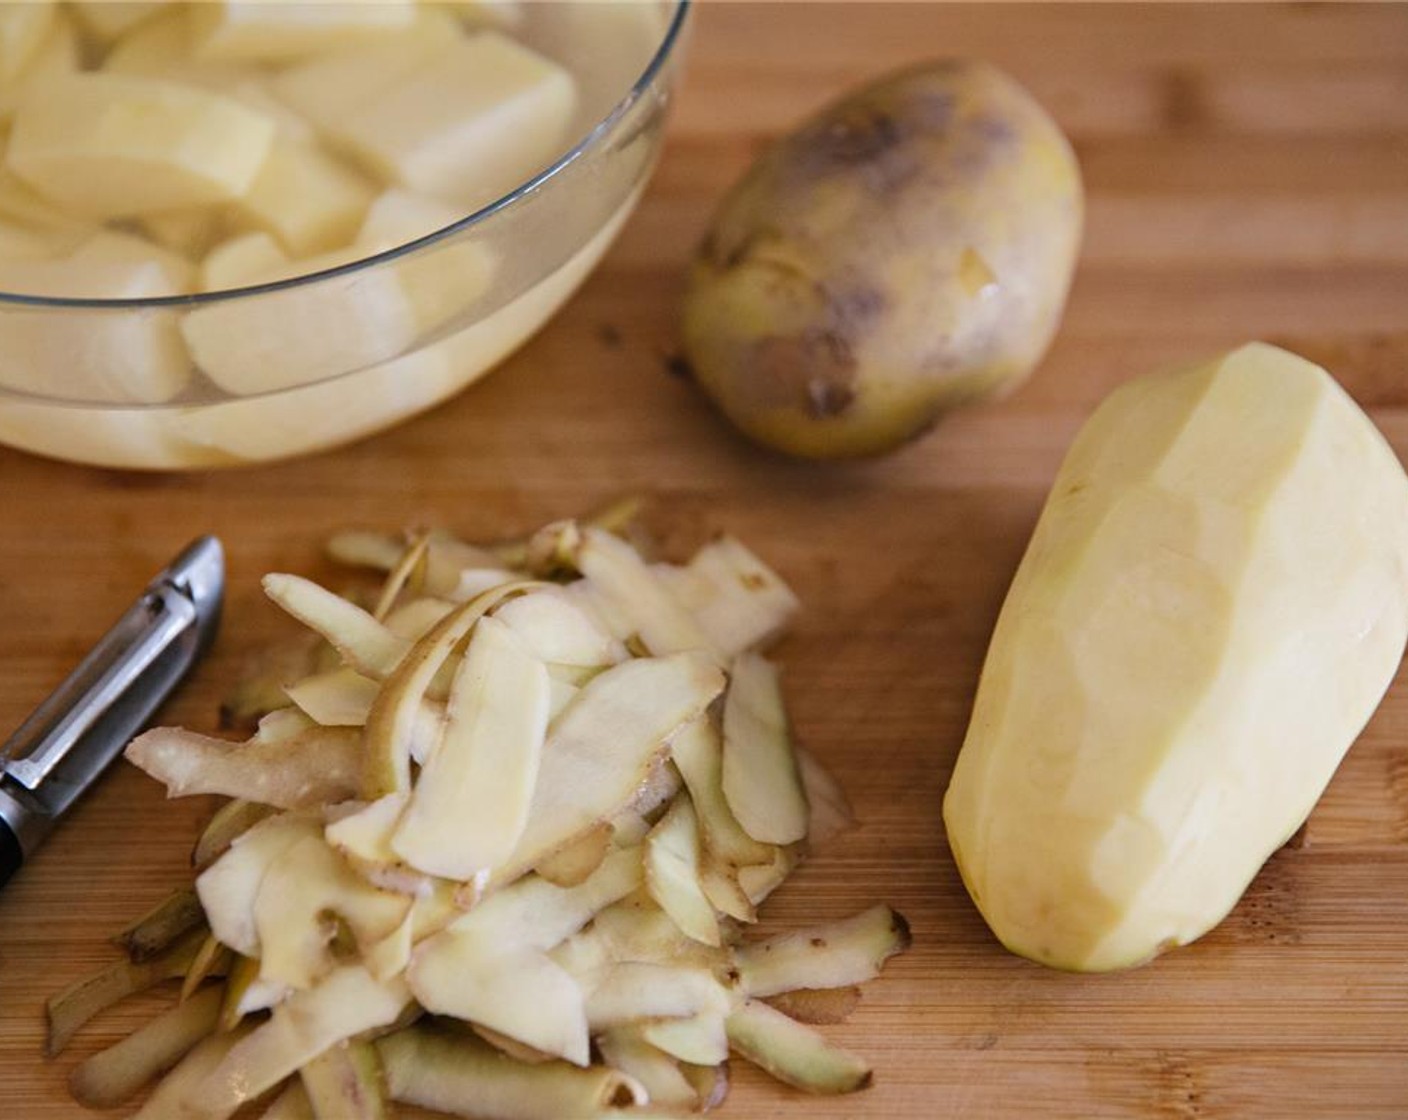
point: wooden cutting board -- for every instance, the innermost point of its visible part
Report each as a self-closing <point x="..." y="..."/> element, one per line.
<point x="1248" y="178"/>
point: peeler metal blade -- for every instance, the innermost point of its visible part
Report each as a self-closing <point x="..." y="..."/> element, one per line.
<point x="66" y="744"/>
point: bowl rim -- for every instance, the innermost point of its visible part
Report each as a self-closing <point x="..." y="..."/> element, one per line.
<point x="673" y="33"/>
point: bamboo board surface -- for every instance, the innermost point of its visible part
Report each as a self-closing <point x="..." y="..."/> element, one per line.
<point x="1247" y="171"/>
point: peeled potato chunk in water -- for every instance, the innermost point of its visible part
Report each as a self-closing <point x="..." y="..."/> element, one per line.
<point x="113" y="146"/>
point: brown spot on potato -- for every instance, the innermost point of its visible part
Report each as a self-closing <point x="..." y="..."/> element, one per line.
<point x="995" y="131"/>
<point x="828" y="399"/>
<point x="931" y="110"/>
<point x="862" y="134"/>
<point x="856" y="305"/>
<point x="863" y="140"/>
<point x="814" y="372"/>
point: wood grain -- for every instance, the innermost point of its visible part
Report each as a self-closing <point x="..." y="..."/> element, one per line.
<point x="1247" y="168"/>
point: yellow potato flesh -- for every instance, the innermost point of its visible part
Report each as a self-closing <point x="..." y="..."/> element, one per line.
<point x="111" y="146"/>
<point x="275" y="425"/>
<point x="337" y="325"/>
<point x="55" y="54"/>
<point x="466" y="119"/>
<point x="305" y="198"/>
<point x="20" y="244"/>
<point x="242" y="261"/>
<point x="121" y="359"/>
<point x="188" y="230"/>
<point x="399" y="216"/>
<point x="348" y="1002"/>
<point x="111" y="247"/>
<point x="20" y="203"/>
<point x="326" y="89"/>
<point x="471" y="800"/>
<point x="162" y="47"/>
<point x="1212" y="605"/>
<point x="258" y="31"/>
<point x="518" y="992"/>
<point x="22" y="28"/>
<point x="308" y="882"/>
<point x="107" y="19"/>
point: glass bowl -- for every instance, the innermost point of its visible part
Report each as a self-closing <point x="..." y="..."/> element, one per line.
<point x="263" y="373"/>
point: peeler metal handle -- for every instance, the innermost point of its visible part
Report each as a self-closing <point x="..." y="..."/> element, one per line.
<point x="70" y="739"/>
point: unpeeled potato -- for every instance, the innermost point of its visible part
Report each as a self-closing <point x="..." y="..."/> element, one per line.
<point x="905" y="251"/>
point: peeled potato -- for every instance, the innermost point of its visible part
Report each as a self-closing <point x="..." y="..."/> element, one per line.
<point x="254" y="92"/>
<point x="112" y="146"/>
<point x="336" y="325"/>
<point x="176" y="274"/>
<point x="96" y="355"/>
<point x="247" y="259"/>
<point x="307" y="199"/>
<point x="1212" y="605"/>
<point x="18" y="243"/>
<point x="185" y="124"/>
<point x="325" y="89"/>
<point x="22" y="28"/>
<point x="274" y="426"/>
<point x="21" y="204"/>
<point x="479" y="14"/>
<point x="163" y="47"/>
<point x="134" y="437"/>
<point x="258" y="31"/>
<point x="107" y="19"/>
<point x="905" y="251"/>
<point x="398" y="216"/>
<point x="188" y="230"/>
<point x="465" y="119"/>
<point x="55" y="54"/>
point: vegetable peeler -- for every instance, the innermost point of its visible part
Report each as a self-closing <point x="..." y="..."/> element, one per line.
<point x="67" y="743"/>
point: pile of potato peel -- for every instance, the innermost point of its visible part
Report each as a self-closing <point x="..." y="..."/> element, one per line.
<point x="492" y="850"/>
